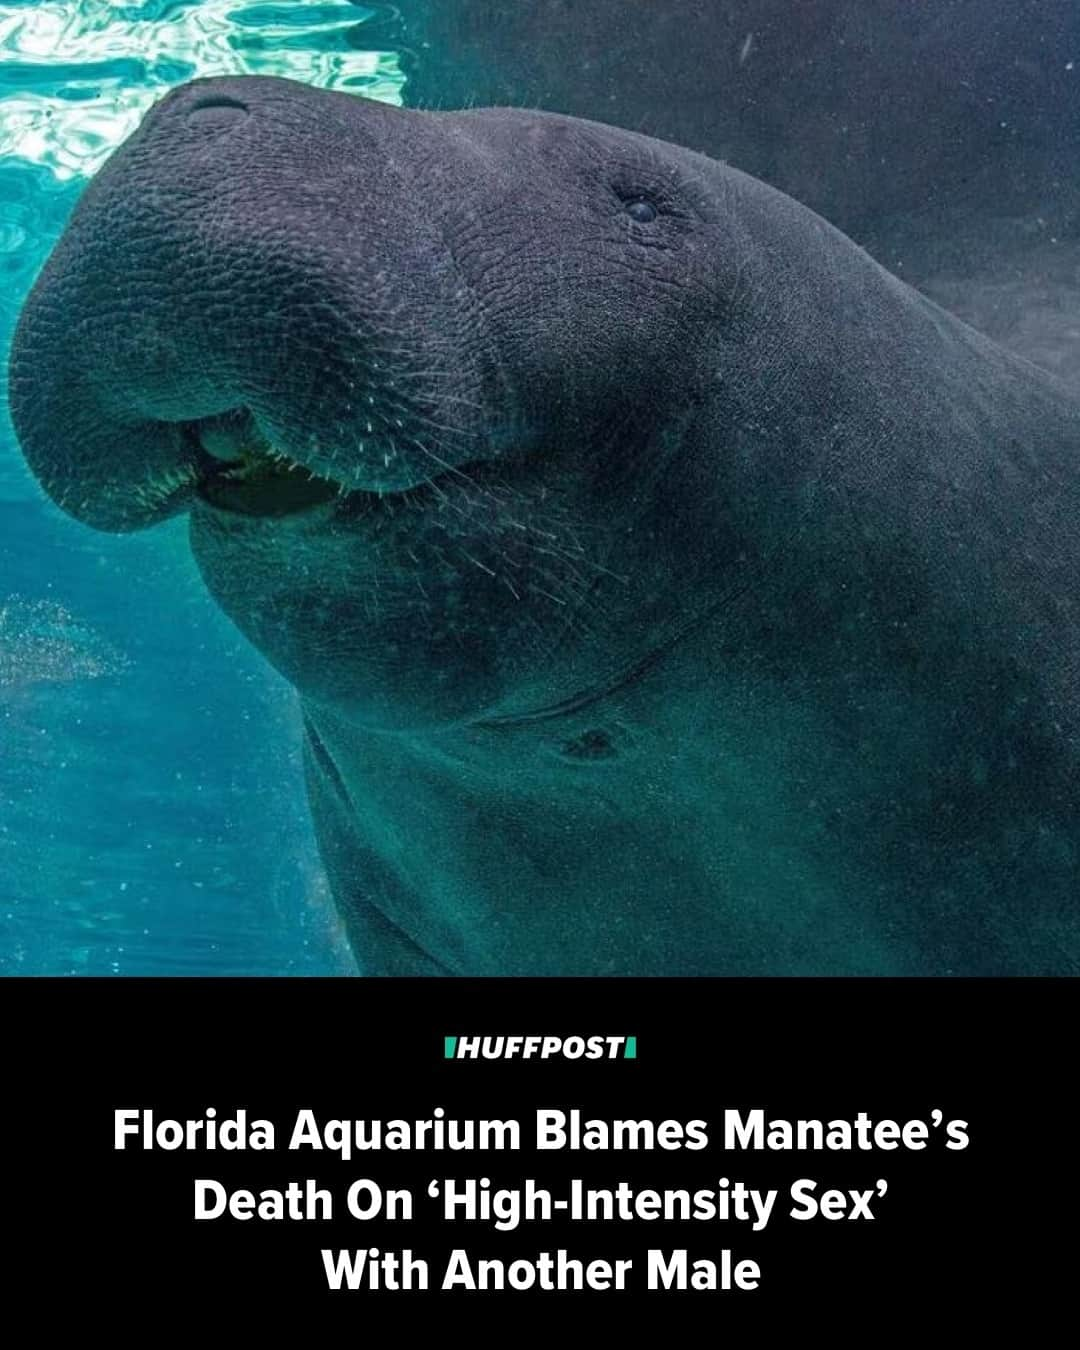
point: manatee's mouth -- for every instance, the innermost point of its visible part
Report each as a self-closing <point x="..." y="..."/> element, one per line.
<point x="235" y="469"/>
<point x="262" y="482"/>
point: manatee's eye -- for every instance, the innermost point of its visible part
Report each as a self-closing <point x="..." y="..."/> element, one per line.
<point x="641" y="210"/>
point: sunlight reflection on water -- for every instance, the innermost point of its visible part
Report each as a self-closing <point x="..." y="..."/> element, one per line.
<point x="76" y="78"/>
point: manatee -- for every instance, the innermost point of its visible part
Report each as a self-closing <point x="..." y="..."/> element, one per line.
<point x="668" y="588"/>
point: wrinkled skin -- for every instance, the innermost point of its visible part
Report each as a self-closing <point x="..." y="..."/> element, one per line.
<point x="668" y="588"/>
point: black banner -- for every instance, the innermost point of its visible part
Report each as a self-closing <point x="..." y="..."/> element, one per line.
<point x="745" y="1148"/>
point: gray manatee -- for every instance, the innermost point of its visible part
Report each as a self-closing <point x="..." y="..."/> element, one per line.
<point x="668" y="588"/>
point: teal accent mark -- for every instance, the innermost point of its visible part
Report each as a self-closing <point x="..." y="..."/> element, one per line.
<point x="631" y="1048"/>
<point x="449" y="1047"/>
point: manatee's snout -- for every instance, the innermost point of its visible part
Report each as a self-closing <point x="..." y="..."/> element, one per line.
<point x="475" y="328"/>
<point x="252" y="301"/>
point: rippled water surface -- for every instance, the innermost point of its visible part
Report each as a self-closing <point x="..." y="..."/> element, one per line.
<point x="151" y="811"/>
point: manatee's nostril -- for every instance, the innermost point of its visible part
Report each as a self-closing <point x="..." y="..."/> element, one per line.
<point x="216" y="108"/>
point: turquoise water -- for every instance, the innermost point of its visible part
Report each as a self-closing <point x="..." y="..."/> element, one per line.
<point x="150" y="820"/>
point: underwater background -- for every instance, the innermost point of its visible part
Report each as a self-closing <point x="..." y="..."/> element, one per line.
<point x="152" y="814"/>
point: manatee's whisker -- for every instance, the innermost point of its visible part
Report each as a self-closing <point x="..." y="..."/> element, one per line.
<point x="454" y="469"/>
<point x="586" y="561"/>
<point x="539" y="590"/>
<point x="477" y="563"/>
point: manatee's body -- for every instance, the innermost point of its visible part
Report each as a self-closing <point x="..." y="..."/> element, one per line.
<point x="676" y="593"/>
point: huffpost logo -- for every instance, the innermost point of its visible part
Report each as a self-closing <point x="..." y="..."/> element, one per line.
<point x="539" y="1047"/>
